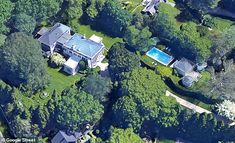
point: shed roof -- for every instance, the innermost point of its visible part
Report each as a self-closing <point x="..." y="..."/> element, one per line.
<point x="96" y="39"/>
<point x="84" y="46"/>
<point x="51" y="36"/>
<point x="72" y="62"/>
<point x="184" y="65"/>
<point x="62" y="137"/>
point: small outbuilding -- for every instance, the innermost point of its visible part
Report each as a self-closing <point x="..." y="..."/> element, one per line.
<point x="187" y="81"/>
<point x="184" y="67"/>
<point x="71" y="65"/>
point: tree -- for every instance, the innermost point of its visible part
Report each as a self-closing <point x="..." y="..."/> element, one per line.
<point x="164" y="26"/>
<point x="21" y="127"/>
<point x="138" y="39"/>
<point x="6" y="6"/>
<point x="226" y="109"/>
<point x="202" y="6"/>
<point x="144" y="99"/>
<point x="2" y="39"/>
<point x="202" y="128"/>
<point x="124" y="136"/>
<point x="97" y="86"/>
<point x="138" y="21"/>
<point x="223" y="42"/>
<point x="198" y="48"/>
<point x="74" y="12"/>
<point x="93" y="8"/>
<point x="121" y="60"/>
<point x="57" y="60"/>
<point x="41" y="116"/>
<point x="24" y="23"/>
<point x="22" y="62"/>
<point x="228" y="5"/>
<point x="77" y="108"/>
<point x="39" y="9"/>
<point x="113" y="19"/>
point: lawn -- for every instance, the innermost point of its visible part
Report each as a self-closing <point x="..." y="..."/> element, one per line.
<point x="59" y="81"/>
<point x="132" y="5"/>
<point x="107" y="40"/>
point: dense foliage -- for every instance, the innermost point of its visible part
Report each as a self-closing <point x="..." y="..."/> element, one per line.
<point x="121" y="60"/>
<point x="39" y="9"/>
<point x="6" y="6"/>
<point x="139" y="40"/>
<point x="113" y="19"/>
<point x="77" y="108"/>
<point x="124" y="136"/>
<point x="144" y="100"/>
<point x="22" y="62"/>
<point x="97" y="86"/>
<point x="24" y="23"/>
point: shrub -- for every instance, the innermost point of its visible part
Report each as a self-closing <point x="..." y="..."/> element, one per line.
<point x="226" y="109"/>
<point x="208" y="21"/>
<point x="161" y="47"/>
<point x="164" y="71"/>
<point x="57" y="60"/>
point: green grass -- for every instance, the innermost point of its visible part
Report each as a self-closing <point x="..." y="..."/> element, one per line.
<point x="173" y="1"/>
<point x="107" y="40"/>
<point x="132" y="4"/>
<point x="59" y="81"/>
<point x="165" y="141"/>
<point x="176" y="79"/>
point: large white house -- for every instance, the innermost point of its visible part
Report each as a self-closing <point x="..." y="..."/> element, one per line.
<point x="73" y="46"/>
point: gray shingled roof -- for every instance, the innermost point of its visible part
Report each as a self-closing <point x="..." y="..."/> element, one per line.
<point x="187" y="81"/>
<point x="184" y="65"/>
<point x="52" y="35"/>
<point x="62" y="137"/>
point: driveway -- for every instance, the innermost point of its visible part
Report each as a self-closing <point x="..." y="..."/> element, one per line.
<point x="187" y="104"/>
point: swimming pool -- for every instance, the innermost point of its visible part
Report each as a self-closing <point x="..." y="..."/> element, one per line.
<point x="159" y="56"/>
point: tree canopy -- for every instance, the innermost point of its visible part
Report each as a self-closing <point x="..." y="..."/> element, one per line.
<point x="124" y="136"/>
<point x="22" y="62"/>
<point x="24" y="23"/>
<point x="121" y="60"/>
<point x="77" y="108"/>
<point x="202" y="6"/>
<point x="113" y="19"/>
<point x="144" y="100"/>
<point x="6" y="6"/>
<point x="97" y="86"/>
<point x="38" y="9"/>
<point x="139" y="40"/>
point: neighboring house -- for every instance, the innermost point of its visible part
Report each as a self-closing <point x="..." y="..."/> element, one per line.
<point x="150" y="6"/>
<point x="59" y="38"/>
<point x="62" y="137"/>
<point x="184" y="67"/>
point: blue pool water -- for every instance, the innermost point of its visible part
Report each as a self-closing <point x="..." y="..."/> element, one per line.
<point x="159" y="56"/>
